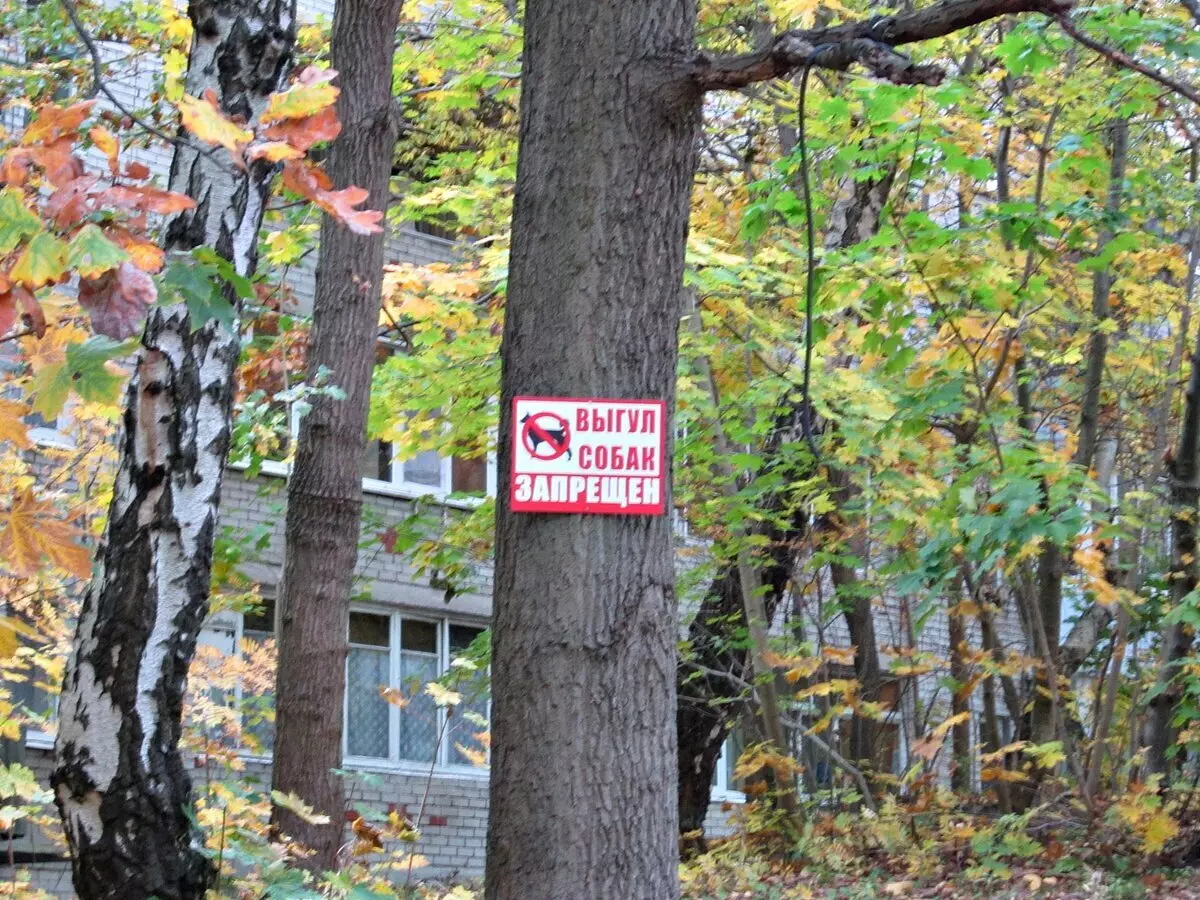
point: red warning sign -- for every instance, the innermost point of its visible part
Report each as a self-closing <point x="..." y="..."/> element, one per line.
<point x="588" y="456"/>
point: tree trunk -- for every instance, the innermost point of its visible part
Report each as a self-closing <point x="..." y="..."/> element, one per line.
<point x="1052" y="562"/>
<point x="119" y="781"/>
<point x="585" y="617"/>
<point x="324" y="509"/>
<point x="1184" y="473"/>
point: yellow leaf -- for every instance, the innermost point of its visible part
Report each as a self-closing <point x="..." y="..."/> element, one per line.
<point x="1160" y="829"/>
<point x="205" y="120"/>
<point x="442" y="696"/>
<point x="34" y="528"/>
<point x="106" y="143"/>
<point x="42" y="261"/>
<point x="12" y="428"/>
<point x="311" y="93"/>
<point x="299" y="808"/>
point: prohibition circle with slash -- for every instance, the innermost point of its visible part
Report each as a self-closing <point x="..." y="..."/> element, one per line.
<point x="546" y="436"/>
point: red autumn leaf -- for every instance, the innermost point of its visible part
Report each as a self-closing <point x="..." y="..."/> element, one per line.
<point x="8" y="312"/>
<point x="59" y="162"/>
<point x="137" y="171"/>
<point x="54" y="122"/>
<point x="303" y="133"/>
<point x="15" y="299"/>
<point x="70" y="203"/>
<point x="117" y="301"/>
<point x="146" y="199"/>
<point x="305" y="179"/>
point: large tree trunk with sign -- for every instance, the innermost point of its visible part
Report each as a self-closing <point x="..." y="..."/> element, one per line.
<point x="584" y="627"/>
<point x="585" y="620"/>
<point x="324" y="509"/>
<point x="120" y="783"/>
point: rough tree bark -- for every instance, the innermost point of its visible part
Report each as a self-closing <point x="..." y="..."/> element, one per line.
<point x="584" y="633"/>
<point x="324" y="509"/>
<point x="1184" y="486"/>
<point x="1052" y="562"/>
<point x="119" y="781"/>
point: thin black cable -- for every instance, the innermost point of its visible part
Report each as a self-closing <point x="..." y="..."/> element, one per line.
<point x="810" y="275"/>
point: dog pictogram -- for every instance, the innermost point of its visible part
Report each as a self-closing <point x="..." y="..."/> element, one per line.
<point x="546" y="436"/>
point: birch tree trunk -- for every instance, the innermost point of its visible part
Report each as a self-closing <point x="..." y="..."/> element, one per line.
<point x="324" y="509"/>
<point x="119" y="780"/>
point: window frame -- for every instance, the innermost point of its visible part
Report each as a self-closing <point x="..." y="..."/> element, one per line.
<point x="393" y="762"/>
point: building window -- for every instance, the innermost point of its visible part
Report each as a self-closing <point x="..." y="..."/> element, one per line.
<point x="390" y="650"/>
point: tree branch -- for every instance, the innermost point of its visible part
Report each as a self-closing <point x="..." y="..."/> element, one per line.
<point x="870" y="43"/>
<point x="1124" y="60"/>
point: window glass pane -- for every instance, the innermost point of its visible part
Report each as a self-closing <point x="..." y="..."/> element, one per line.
<point x="425" y="468"/>
<point x="470" y="717"/>
<point x="419" y="636"/>
<point x="258" y="705"/>
<point x="419" y="719"/>
<point x="369" y="629"/>
<point x="468" y="476"/>
<point x="461" y="637"/>
<point x="377" y="461"/>
<point x="367" y="713"/>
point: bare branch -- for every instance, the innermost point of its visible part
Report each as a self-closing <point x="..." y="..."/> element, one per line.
<point x="1124" y="60"/>
<point x="870" y="43"/>
<point x="99" y="85"/>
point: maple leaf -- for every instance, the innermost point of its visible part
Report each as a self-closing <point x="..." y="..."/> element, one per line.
<point x="31" y="530"/>
<point x="54" y="122"/>
<point x="17" y="221"/>
<point x="106" y="142"/>
<point x="303" y="133"/>
<point x="91" y="254"/>
<point x="117" y="301"/>
<point x="299" y="808"/>
<point x="204" y="119"/>
<point x="12" y="426"/>
<point x="41" y="262"/>
<point x="311" y="93"/>
<point x="1159" y="830"/>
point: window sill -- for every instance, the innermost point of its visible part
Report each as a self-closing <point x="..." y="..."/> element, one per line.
<point x="39" y="740"/>
<point x="376" y="487"/>
<point x="721" y="796"/>
<point x="387" y="767"/>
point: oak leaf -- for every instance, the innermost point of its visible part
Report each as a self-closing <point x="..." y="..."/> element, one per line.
<point x="311" y="93"/>
<point x="203" y="118"/>
<point x="117" y="300"/>
<point x="303" y="133"/>
<point x="55" y="122"/>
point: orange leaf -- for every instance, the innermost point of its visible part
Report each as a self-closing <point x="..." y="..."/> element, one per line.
<point x="303" y="133"/>
<point x="147" y="256"/>
<point x="54" y="122"/>
<point x="32" y="529"/>
<point x="137" y="171"/>
<point x="204" y="119"/>
<point x="145" y="198"/>
<point x="273" y="151"/>
<point x="12" y="428"/>
<point x="313" y="183"/>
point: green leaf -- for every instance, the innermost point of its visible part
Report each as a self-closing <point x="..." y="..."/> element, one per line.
<point x="17" y="221"/>
<point x="83" y="371"/>
<point x="190" y="281"/>
<point x="42" y="261"/>
<point x="91" y="254"/>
